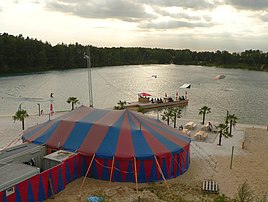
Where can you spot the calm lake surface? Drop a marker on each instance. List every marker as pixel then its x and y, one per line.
pixel 242 92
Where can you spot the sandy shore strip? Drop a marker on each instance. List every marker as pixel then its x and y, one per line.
pixel 208 161
pixel 10 131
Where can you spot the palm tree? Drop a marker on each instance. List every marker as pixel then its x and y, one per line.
pixel 222 130
pixel 141 109
pixel 20 115
pixel 232 119
pixel 176 114
pixel 245 193
pixel 73 101
pixel 167 115
pixel 121 105
pixel 203 111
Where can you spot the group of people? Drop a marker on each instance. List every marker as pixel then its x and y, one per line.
pixel 181 97
pixel 168 99
pixel 156 100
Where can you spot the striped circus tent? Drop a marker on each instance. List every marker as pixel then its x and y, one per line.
pixel 117 145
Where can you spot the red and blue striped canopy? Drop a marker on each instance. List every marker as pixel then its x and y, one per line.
pixel 108 133
pixel 120 134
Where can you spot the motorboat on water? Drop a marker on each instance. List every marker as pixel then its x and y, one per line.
pixel 186 85
pixel 220 76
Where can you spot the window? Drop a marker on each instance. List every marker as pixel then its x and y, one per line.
pixel 10 190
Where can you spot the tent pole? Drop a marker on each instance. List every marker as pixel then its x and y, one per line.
pixel 51 188
pixel 160 170
pixel 86 173
pixel 15 140
pixel 136 176
pixel 111 174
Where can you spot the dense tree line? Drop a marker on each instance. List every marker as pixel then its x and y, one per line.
pixel 19 54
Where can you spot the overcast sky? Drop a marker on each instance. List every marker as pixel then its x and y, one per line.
pixel 232 25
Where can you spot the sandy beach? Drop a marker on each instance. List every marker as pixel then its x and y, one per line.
pixel 10 131
pixel 208 161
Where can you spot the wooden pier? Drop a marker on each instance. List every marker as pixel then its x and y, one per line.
pixel 149 106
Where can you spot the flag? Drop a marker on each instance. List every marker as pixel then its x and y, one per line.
pixel 51 110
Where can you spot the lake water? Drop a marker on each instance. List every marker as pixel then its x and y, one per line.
pixel 242 92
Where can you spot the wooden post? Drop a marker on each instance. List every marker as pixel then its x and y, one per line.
pixel 160 170
pixel 243 145
pixel 111 173
pixel 87 173
pixel 136 176
pixel 232 156
pixel 51 187
pixel 39 111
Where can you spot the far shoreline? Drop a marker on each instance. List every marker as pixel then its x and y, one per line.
pixel 43 71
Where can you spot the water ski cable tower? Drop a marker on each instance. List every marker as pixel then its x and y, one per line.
pixel 90 93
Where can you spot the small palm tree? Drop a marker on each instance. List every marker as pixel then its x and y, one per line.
pixel 120 105
pixel 232 119
pixel 20 115
pixel 167 115
pixel 176 114
pixel 222 130
pixel 203 111
pixel 141 109
pixel 245 194
pixel 73 101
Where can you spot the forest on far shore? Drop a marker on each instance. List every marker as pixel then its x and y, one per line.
pixel 19 55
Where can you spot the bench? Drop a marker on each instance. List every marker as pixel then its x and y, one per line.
pixel 210 186
pixel 187 132
pixel 190 125
pixel 200 135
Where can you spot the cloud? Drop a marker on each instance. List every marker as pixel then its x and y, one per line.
pixel 130 10
pixel 151 15
pixel 173 24
pixel 249 4
pixel 126 10
pixel 193 4
pixel 179 14
pixel 36 1
pixel 264 17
